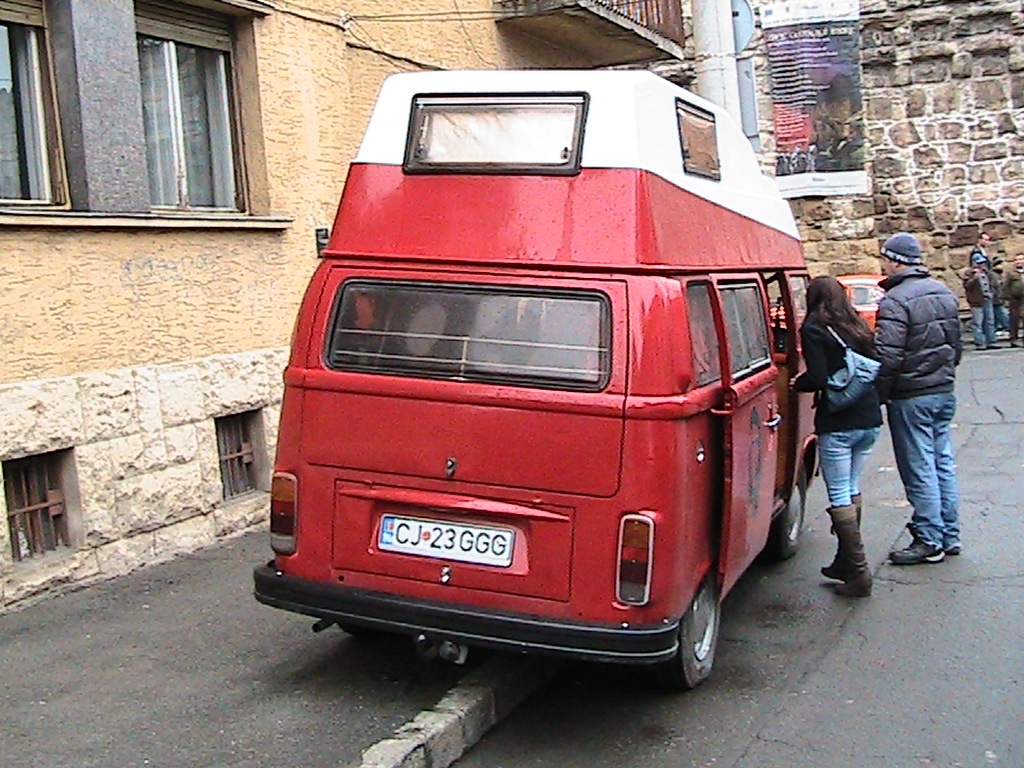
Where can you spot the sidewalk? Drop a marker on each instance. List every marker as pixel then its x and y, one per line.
pixel 930 670
pixel 926 673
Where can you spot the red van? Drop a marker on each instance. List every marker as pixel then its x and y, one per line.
pixel 537 396
pixel 865 294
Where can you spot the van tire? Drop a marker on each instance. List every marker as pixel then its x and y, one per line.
pixel 698 640
pixel 784 535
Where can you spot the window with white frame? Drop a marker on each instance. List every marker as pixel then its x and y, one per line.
pixel 185 67
pixel 26 133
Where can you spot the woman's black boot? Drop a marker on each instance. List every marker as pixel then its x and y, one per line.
pixel 852 559
pixel 835 569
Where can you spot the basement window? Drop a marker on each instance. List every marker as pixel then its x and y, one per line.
pixel 237 438
pixel 37 514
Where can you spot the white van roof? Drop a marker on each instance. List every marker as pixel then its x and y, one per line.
pixel 631 123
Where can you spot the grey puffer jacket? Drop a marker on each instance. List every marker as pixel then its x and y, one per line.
pixel 917 336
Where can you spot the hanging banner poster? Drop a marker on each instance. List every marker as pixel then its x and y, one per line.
pixel 814 68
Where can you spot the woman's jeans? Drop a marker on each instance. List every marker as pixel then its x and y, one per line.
pixel 923 444
pixel 842 458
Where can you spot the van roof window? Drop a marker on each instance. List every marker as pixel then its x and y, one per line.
pixel 525 133
pixel 699 141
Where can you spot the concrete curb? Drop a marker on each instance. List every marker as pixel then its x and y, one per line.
pixel 437 737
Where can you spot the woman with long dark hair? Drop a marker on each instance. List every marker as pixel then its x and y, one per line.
pixel 845 436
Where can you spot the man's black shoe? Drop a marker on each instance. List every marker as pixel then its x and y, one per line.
pixel 918 552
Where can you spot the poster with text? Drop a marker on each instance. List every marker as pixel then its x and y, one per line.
pixel 814 69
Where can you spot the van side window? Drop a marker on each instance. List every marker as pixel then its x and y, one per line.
pixel 550 339
pixel 777 311
pixel 703 336
pixel 798 290
pixel 699 141
pixel 746 329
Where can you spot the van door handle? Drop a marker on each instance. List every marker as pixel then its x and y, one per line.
pixel 722 411
pixel 774 422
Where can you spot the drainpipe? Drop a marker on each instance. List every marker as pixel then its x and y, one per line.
pixel 715 48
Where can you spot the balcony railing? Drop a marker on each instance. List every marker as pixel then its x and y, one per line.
pixel 610 31
pixel 661 16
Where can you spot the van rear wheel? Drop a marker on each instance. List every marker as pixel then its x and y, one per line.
pixel 698 640
pixel 784 535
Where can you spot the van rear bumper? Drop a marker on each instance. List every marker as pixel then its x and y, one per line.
pixel 472 626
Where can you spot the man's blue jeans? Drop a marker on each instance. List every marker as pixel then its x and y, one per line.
pixel 842 459
pixel 1001 319
pixel 983 325
pixel 923 444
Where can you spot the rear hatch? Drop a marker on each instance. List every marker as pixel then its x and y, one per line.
pixel 461 413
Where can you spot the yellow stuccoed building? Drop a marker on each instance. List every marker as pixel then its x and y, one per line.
pixel 165 168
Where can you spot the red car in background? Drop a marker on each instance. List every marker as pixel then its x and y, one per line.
pixel 864 294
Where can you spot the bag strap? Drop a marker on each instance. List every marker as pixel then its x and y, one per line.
pixel 836 337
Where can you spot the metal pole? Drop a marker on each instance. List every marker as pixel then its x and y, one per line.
pixel 715 48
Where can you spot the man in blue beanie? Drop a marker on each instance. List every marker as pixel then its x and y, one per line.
pixel 917 337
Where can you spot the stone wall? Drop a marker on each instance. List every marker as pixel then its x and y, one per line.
pixel 144 479
pixel 943 92
pixel 945 111
pixel 944 101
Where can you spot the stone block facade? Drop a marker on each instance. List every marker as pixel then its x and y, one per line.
pixel 943 89
pixel 141 470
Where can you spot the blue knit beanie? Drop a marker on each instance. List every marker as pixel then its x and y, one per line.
pixel 903 248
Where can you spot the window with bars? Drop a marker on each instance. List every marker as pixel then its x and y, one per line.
pixel 236 437
pixel 37 517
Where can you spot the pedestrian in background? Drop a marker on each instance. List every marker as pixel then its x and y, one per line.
pixel 980 290
pixel 1000 317
pixel 917 337
pixel 845 437
pixel 1013 295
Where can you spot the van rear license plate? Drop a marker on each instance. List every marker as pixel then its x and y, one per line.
pixel 452 541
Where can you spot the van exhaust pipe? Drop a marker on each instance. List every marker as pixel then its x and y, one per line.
pixel 426 649
pixel 454 652
pixel 446 650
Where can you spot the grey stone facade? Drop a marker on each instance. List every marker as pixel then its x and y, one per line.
pixel 944 101
pixel 141 471
pixel 97 71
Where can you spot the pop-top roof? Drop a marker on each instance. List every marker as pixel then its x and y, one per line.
pixel 631 122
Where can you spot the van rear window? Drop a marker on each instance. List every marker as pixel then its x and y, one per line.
pixel 550 339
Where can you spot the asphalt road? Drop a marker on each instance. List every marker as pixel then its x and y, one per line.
pixel 176 665
pixel 928 672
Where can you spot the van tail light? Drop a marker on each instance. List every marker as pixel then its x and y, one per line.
pixel 636 548
pixel 284 494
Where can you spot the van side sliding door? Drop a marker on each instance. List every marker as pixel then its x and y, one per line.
pixel 787 307
pixel 751 418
